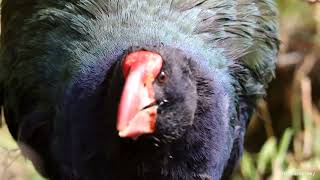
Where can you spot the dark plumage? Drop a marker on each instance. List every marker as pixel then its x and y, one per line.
pixel 61 83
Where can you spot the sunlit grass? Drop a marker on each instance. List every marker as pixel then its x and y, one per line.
pixel 13 166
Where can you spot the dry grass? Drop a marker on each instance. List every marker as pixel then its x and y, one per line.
pixel 13 166
pixel 293 153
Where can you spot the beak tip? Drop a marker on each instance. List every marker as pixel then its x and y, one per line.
pixel 122 134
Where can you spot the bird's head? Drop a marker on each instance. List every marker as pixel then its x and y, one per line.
pixel 159 96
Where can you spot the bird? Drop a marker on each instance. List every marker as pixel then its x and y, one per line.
pixel 134 90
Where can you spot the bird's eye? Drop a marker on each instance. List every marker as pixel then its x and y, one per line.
pixel 162 77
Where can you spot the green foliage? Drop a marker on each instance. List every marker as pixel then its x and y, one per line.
pixel 296 154
pixel 266 155
pixel 283 148
pixel 255 166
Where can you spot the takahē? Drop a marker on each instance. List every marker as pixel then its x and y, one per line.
pixel 134 89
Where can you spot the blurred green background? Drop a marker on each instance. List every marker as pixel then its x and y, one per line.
pixel 283 139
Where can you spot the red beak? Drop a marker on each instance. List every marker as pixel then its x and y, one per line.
pixel 137 109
